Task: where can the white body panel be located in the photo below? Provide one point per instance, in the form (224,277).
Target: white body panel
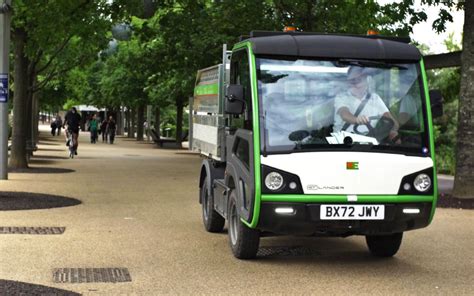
(205,133)
(326,172)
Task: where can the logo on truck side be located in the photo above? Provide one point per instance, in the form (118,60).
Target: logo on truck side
(352,165)
(317,187)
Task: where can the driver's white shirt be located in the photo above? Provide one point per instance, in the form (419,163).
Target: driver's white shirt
(374,107)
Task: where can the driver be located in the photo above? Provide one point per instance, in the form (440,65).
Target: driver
(359,107)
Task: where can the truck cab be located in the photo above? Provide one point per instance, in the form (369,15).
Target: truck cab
(316,135)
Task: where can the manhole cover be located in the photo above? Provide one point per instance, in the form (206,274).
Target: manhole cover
(91,275)
(32,230)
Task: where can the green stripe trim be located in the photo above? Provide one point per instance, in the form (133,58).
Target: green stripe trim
(431,134)
(311,198)
(324,198)
(256,132)
(207,89)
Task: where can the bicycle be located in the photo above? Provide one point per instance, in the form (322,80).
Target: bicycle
(71,144)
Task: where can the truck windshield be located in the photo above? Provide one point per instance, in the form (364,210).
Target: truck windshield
(341,104)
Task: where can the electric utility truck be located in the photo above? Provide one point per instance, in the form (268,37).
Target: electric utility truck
(316,135)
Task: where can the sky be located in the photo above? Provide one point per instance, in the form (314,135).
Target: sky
(424,33)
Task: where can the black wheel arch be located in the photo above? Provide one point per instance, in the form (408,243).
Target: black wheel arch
(211,170)
(231,181)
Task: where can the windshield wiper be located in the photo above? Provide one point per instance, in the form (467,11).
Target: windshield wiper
(368,63)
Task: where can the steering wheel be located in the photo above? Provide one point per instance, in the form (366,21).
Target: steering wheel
(381,130)
(369,125)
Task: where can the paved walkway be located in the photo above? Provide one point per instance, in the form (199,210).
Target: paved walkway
(127,192)
(133,209)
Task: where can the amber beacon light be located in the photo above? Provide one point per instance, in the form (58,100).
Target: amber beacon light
(372,32)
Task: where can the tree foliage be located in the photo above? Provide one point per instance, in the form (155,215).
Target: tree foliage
(158,64)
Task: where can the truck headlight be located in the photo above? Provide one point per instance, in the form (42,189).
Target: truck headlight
(422,182)
(274,181)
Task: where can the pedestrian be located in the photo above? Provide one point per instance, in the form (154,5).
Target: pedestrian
(53,127)
(59,124)
(103,130)
(93,125)
(111,128)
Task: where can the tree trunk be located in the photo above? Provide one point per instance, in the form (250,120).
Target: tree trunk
(120,120)
(36,118)
(29,118)
(140,121)
(129,122)
(131,134)
(157,121)
(20,100)
(179,121)
(464,178)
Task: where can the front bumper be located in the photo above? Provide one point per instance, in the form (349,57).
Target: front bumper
(306,220)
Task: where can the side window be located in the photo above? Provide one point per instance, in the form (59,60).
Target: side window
(242,150)
(240,74)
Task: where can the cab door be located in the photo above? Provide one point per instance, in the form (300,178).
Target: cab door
(239,141)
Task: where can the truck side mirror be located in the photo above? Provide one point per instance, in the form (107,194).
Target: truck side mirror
(234,99)
(436,103)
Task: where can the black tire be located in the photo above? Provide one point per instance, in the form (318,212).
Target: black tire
(384,245)
(213,222)
(243,241)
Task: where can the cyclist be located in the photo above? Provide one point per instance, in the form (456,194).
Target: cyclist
(73,120)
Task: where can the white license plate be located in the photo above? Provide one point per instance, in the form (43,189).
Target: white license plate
(352,212)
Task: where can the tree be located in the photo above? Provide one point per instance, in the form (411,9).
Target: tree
(45,49)
(464,178)
(50,39)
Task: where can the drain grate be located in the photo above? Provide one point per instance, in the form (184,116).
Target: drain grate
(32,230)
(91,275)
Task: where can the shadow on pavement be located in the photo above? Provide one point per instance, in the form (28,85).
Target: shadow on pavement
(334,253)
(49,143)
(188,153)
(21,288)
(129,139)
(50,156)
(14,201)
(42,161)
(51,150)
(449,201)
(41,170)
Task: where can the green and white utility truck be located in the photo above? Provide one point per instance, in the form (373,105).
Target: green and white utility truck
(316,135)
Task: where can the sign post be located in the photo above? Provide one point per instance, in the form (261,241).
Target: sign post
(5,9)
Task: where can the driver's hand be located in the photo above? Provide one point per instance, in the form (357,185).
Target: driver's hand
(394,135)
(362,120)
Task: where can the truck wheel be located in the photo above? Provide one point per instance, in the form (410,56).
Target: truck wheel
(213,222)
(244,241)
(384,245)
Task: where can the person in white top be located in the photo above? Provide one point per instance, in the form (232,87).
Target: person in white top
(347,103)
